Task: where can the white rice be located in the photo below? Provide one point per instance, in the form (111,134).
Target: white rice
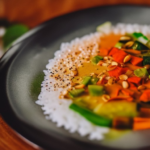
(57,110)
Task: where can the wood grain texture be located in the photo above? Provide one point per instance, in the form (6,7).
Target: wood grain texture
(36,11)
(31,13)
(9,140)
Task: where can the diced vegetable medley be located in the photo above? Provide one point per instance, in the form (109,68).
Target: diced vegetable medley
(116,92)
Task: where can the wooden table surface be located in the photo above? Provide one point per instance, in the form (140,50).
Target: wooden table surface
(33,13)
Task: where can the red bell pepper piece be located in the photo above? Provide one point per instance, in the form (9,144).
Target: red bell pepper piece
(136,60)
(135,80)
(119,56)
(113,51)
(145,97)
(132,86)
(117,72)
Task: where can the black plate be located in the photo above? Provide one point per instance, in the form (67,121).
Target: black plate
(27,58)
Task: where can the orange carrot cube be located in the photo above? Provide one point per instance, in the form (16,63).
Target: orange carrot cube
(127,92)
(104,51)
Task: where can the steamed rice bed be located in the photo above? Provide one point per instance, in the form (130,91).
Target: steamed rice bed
(56,80)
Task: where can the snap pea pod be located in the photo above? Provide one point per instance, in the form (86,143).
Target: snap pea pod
(86,80)
(96,90)
(141,72)
(76,93)
(96,59)
(90,116)
(119,45)
(93,80)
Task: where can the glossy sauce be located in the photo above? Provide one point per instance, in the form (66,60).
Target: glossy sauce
(112,39)
(88,68)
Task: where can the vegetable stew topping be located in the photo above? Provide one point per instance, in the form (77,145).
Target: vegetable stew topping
(111,89)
